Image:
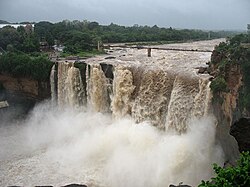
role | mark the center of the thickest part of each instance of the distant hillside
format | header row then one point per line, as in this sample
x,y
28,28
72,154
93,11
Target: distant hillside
x,y
4,22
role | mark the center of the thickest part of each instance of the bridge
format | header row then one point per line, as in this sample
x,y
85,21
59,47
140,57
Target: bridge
x,y
149,48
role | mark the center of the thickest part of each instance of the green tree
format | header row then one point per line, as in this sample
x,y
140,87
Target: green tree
x,y
9,35
238,176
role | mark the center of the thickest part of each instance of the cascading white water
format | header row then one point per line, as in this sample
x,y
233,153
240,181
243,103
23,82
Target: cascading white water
x,y
153,97
53,84
70,86
98,98
162,133
165,99
63,69
182,101
75,92
122,91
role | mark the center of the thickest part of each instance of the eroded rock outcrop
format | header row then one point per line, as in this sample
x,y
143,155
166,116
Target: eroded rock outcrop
x,y
25,87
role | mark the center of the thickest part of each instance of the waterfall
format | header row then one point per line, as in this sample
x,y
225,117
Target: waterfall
x,y
122,91
98,97
153,97
70,86
126,120
167,99
53,83
190,97
74,88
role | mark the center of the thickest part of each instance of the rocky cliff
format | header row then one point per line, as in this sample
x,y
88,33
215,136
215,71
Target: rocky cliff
x,y
22,94
230,66
25,87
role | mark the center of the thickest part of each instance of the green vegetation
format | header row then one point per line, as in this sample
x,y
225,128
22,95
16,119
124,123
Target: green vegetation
x,y
235,51
23,65
238,176
12,39
219,84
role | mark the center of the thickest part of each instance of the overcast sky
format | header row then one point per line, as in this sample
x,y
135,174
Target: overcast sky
x,y
199,14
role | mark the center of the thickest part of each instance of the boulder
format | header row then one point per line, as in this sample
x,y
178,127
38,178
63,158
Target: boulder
x,y
202,70
241,132
75,185
110,57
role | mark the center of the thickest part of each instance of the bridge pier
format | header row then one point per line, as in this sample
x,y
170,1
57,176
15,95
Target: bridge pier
x,y
149,52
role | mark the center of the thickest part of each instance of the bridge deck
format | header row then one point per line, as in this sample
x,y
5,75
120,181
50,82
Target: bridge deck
x,y
157,48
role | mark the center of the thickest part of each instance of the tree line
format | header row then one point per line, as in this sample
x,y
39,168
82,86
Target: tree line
x,y
79,36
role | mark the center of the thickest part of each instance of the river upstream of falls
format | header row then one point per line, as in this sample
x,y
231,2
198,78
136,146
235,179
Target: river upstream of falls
x,y
129,120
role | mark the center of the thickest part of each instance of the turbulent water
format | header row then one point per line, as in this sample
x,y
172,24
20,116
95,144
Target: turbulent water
x,y
126,121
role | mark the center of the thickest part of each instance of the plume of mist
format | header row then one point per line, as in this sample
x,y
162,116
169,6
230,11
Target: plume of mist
x,y
57,147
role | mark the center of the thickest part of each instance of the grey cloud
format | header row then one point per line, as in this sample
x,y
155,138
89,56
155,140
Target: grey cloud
x,y
204,14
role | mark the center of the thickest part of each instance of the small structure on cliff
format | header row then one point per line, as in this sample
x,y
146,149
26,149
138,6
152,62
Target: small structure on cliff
x,y
4,104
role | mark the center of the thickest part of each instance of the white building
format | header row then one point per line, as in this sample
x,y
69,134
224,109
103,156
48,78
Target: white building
x,y
15,25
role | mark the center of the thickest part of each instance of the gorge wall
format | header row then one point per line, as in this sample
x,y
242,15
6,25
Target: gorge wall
x,y
230,67
22,94
25,87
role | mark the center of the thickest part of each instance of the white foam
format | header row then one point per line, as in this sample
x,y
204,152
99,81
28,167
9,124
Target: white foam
x,y
58,147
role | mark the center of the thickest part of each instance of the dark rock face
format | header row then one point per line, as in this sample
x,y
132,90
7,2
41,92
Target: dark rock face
x,y
108,70
241,131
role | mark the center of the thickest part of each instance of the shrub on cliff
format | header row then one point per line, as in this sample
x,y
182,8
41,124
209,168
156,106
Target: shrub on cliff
x,y
238,176
23,65
219,84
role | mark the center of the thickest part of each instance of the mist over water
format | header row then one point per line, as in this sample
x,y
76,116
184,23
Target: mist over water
x,y
61,146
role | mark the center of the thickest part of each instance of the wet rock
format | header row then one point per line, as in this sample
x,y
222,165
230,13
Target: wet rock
x,y
241,131
180,185
110,57
75,185
108,70
202,70
211,78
